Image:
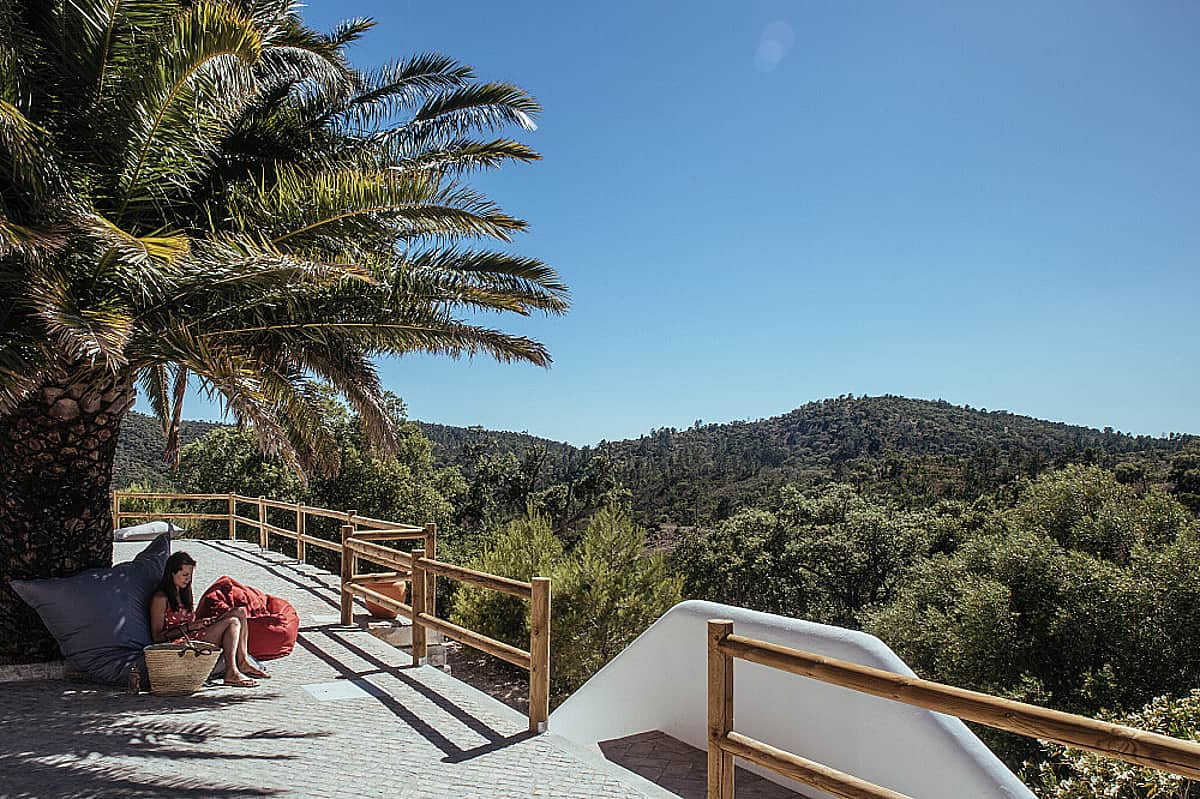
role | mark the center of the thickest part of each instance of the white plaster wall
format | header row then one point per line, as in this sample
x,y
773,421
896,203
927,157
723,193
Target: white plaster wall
x,y
660,683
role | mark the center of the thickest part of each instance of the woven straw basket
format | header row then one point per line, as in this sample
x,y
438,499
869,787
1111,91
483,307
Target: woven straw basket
x,y
180,669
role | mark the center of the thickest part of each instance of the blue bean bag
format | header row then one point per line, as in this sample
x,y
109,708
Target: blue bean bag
x,y
101,617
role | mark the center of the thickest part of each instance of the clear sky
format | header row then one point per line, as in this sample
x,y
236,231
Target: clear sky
x,y
759,204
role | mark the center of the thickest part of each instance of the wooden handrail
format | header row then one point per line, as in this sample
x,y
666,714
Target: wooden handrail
x,y
323,543
126,514
482,579
803,770
383,524
165,495
384,556
283,531
379,577
1116,741
325,513
517,657
388,535
1111,740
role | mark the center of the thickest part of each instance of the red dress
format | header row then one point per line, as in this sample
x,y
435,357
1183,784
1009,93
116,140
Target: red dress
x,y
177,618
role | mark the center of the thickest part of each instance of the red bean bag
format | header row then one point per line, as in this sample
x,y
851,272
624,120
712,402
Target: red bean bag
x,y
273,622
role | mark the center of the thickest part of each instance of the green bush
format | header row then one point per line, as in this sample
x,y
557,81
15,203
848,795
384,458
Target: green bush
x,y
608,592
1068,773
605,592
522,549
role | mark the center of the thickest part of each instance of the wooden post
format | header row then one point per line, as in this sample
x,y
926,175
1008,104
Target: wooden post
x,y
116,509
419,584
720,710
431,553
347,573
300,532
232,514
262,520
539,654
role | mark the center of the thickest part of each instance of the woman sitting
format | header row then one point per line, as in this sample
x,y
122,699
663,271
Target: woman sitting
x,y
172,619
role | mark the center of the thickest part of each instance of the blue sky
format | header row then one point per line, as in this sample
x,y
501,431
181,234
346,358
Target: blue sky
x,y
760,204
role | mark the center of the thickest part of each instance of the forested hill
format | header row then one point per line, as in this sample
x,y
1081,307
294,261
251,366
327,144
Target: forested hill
x,y
452,445
140,449
904,447
909,448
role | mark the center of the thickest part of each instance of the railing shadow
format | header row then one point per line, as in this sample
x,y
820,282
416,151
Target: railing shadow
x,y
496,740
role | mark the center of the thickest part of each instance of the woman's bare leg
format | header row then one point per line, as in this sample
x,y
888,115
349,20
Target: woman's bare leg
x,y
243,640
226,633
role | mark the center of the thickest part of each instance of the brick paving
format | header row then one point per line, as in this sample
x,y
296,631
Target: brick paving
x,y
682,769
407,733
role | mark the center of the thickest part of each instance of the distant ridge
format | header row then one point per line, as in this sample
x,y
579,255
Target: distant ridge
x,y
691,475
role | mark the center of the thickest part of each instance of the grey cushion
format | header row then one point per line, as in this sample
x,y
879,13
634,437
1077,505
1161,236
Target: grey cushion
x,y
101,617
147,531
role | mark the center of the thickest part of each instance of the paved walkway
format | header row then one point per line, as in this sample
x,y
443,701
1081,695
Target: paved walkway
x,y
343,716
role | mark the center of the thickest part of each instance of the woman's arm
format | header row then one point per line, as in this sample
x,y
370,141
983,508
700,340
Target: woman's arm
x,y
158,617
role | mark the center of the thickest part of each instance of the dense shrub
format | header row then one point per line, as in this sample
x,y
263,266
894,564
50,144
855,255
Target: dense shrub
x,y
606,591
1068,773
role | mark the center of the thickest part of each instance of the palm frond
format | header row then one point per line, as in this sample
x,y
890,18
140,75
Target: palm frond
x,y
482,106
193,87
207,193
402,86
459,156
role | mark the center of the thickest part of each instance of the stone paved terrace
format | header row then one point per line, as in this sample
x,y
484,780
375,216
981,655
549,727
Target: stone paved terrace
x,y
344,716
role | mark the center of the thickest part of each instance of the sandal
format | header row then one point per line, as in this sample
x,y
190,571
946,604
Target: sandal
x,y
257,674
246,683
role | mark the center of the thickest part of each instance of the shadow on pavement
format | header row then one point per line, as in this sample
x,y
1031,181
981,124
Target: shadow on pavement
x,y
66,740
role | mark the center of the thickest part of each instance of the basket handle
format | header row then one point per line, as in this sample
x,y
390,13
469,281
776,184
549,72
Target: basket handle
x,y
189,645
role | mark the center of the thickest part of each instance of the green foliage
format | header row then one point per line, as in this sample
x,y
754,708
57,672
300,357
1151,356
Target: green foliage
x,y
229,459
1068,773
140,451
1081,596
210,193
504,483
823,556
400,485
522,549
1185,477
605,592
914,452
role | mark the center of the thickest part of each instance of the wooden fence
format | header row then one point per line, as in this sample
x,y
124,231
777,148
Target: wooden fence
x,y
420,568
423,571
1110,740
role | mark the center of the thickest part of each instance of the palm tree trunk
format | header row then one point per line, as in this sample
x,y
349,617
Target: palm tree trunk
x,y
56,457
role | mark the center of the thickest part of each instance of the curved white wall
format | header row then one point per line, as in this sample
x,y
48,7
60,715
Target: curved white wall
x,y
660,683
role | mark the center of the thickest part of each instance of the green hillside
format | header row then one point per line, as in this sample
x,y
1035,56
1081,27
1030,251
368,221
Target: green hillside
x,y
904,447
140,449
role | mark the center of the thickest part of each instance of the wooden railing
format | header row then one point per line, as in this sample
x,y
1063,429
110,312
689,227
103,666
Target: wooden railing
x,y
1110,740
419,569
424,571
232,513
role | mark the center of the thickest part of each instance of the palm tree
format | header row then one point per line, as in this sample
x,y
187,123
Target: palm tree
x,y
207,192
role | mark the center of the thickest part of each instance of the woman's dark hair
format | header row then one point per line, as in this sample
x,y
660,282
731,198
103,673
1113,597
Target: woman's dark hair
x,y
176,597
